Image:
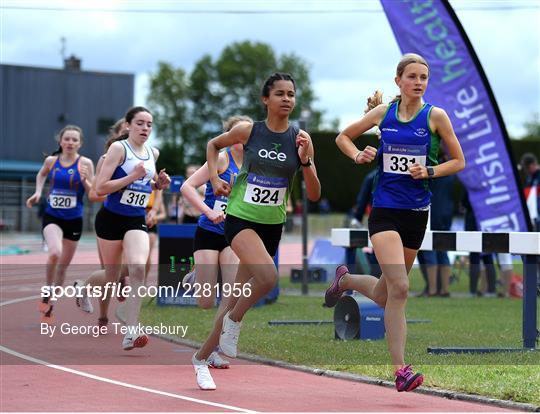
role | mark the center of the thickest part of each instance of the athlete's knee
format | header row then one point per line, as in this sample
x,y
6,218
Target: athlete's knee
x,y
55,253
268,278
398,289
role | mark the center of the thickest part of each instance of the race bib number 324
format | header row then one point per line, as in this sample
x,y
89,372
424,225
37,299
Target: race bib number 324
x,y
265,191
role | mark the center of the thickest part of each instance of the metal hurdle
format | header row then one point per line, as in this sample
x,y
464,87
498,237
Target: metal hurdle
x,y
520,243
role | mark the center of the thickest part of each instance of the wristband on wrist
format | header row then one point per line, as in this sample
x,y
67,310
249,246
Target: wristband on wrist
x,y
307,163
356,157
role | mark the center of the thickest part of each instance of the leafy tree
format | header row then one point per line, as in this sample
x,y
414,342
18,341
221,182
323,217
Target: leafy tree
x,y
532,128
189,108
169,106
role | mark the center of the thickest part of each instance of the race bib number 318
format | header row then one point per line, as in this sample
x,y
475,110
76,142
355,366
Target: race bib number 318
x,y
135,198
398,158
265,191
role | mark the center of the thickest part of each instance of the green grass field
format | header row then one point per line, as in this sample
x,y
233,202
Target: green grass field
x,y
456,321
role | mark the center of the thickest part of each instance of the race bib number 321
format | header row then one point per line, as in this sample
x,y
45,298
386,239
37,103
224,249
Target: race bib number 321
x,y
265,191
397,158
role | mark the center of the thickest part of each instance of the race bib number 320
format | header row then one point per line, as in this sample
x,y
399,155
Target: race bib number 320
x,y
397,158
62,201
265,191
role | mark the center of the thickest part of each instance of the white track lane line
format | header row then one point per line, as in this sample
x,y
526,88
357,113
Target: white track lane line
x,y
107,380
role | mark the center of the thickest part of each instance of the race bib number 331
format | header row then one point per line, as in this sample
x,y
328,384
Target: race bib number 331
x,y
265,191
397,158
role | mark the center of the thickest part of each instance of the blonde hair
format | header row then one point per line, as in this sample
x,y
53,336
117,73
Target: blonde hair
x,y
230,122
407,59
374,100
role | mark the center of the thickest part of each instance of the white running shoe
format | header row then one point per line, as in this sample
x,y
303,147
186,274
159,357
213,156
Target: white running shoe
x,y
215,361
83,301
204,379
228,340
189,279
130,341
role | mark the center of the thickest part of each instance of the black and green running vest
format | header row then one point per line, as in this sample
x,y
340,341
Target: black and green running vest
x,y
262,187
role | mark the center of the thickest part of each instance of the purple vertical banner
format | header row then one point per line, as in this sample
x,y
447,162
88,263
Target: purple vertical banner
x,y
457,84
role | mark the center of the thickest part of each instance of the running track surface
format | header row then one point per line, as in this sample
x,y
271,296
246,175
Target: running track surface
x,y
39,373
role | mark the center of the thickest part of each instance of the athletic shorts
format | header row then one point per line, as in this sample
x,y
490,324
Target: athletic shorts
x,y
409,224
112,226
270,234
71,229
208,240
153,229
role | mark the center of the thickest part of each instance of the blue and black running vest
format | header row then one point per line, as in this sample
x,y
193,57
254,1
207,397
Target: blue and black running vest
x,y
218,202
403,144
66,191
132,200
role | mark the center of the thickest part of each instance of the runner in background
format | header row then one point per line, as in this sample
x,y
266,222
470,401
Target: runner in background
x,y
155,213
70,175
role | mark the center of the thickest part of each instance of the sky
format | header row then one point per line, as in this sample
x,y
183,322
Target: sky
x,y
348,44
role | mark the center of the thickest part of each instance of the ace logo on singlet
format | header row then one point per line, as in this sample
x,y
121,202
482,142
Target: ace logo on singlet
x,y
273,154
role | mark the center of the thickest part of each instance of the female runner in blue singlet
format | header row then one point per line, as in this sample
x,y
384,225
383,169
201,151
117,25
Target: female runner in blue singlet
x,y
70,175
411,131
128,176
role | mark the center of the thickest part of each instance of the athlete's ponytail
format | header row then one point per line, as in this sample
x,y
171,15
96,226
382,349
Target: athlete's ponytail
x,y
117,132
374,101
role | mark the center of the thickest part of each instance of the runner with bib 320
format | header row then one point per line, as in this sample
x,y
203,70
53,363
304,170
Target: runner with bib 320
x,y
70,175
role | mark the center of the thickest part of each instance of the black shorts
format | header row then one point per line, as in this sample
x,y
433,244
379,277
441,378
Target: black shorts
x,y
270,234
71,229
410,224
112,226
208,240
153,229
